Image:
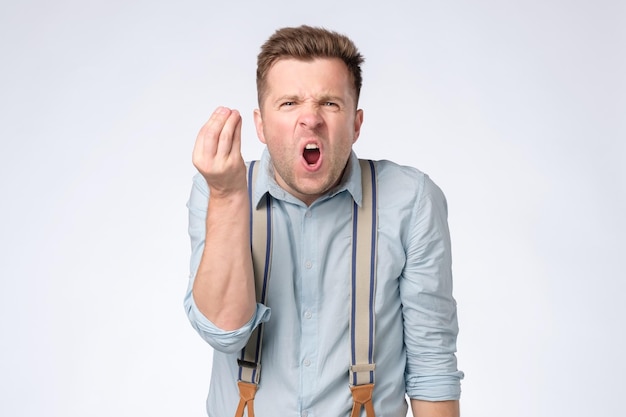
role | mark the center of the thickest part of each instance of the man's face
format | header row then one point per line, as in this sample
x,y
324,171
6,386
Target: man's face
x,y
308,120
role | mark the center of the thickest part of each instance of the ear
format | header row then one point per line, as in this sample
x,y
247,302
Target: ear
x,y
258,123
358,121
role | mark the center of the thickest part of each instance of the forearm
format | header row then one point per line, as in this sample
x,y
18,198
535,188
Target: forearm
x,y
223,289
435,408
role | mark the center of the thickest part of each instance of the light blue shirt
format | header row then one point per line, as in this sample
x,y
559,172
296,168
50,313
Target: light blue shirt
x,y
306,343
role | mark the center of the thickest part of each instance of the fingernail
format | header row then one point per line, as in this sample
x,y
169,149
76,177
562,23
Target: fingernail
x,y
222,110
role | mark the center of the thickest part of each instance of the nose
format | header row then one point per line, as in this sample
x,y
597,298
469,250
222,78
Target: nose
x,y
311,117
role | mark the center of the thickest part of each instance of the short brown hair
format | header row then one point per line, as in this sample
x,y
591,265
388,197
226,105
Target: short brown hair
x,y
307,43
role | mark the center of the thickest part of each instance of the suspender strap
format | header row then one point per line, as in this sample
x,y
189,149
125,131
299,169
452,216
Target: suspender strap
x,y
363,289
261,244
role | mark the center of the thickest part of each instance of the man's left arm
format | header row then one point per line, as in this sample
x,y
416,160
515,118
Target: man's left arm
x,y
429,309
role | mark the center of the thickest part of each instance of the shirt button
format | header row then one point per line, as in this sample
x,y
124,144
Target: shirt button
x,y
308,315
307,362
308,215
305,414
308,265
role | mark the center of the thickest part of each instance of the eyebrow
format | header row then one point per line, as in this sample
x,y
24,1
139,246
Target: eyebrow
x,y
291,97
328,97
321,99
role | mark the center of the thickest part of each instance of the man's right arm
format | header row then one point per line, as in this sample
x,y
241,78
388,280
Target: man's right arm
x,y
223,288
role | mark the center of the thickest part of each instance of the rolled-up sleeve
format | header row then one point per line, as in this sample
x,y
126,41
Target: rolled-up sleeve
x,y
429,309
222,340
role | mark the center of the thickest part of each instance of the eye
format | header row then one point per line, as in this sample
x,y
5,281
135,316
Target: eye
x,y
287,103
330,104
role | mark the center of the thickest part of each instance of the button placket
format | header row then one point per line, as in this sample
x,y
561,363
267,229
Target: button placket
x,y
309,301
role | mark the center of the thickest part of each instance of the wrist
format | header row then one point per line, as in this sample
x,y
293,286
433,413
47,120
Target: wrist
x,y
229,197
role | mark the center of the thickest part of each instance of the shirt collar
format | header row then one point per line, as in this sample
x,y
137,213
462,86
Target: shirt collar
x,y
350,182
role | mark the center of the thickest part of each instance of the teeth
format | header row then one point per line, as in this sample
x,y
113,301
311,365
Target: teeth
x,y
311,146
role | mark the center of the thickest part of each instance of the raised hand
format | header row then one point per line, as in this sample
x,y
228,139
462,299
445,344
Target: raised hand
x,y
223,288
217,153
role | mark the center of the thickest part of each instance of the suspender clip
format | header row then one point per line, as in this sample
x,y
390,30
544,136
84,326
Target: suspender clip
x,y
248,364
364,367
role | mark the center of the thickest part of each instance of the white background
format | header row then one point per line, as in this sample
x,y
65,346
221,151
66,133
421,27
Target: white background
x,y
515,108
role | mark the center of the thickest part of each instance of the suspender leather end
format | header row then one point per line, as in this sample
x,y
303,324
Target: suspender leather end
x,y
247,391
362,396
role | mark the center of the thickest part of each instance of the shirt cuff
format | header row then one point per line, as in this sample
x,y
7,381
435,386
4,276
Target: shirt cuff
x,y
227,341
442,387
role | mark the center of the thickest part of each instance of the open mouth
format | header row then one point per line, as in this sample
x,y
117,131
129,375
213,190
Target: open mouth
x,y
311,154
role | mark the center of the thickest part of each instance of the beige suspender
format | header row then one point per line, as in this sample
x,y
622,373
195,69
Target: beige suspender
x,y
261,246
362,285
363,290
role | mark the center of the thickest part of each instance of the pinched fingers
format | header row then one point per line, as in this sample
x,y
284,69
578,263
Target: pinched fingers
x,y
230,137
209,135
215,140
217,151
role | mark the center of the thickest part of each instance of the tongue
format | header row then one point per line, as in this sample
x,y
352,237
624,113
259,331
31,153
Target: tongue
x,y
311,156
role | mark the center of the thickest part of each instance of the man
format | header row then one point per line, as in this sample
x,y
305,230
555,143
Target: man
x,y
308,82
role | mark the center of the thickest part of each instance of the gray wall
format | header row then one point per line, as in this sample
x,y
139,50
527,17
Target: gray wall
x,y
516,109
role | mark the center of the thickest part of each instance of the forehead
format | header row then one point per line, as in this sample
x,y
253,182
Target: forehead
x,y
319,75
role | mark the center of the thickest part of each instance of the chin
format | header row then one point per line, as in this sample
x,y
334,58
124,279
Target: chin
x,y
317,188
